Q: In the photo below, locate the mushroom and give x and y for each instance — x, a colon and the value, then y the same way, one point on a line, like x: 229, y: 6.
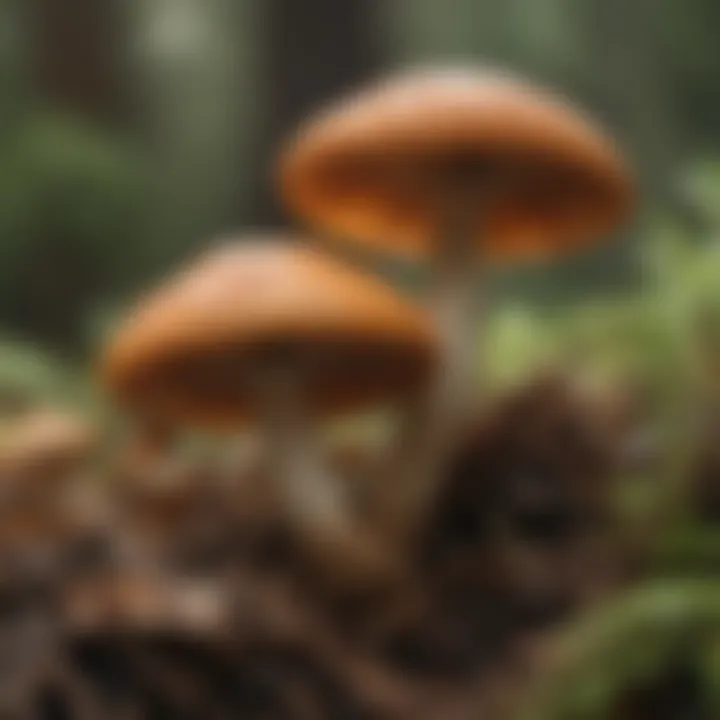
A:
x: 48, y: 512
x: 464, y: 166
x: 42, y: 450
x: 46, y: 440
x: 280, y: 334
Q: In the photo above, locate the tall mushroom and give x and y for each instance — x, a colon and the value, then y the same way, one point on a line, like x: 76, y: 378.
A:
x: 272, y: 332
x: 464, y: 166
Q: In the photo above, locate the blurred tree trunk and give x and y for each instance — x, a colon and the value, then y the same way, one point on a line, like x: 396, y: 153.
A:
x: 75, y: 56
x: 194, y: 66
x: 308, y: 52
x: 75, y: 65
x: 630, y: 75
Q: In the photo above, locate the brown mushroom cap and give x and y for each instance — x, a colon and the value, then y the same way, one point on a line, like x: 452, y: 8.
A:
x: 191, y: 350
x: 375, y: 167
x: 45, y: 438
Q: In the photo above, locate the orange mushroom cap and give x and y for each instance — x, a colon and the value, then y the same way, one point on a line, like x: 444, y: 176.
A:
x: 376, y: 166
x: 190, y: 350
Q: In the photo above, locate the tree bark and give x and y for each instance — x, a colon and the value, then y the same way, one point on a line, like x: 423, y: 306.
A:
x: 76, y: 58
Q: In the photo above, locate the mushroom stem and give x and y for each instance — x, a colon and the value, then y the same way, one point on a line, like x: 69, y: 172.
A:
x: 313, y: 500
x: 452, y: 305
x: 432, y: 422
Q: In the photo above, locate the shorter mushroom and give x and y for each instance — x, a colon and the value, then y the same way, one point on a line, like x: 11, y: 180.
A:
x: 280, y: 334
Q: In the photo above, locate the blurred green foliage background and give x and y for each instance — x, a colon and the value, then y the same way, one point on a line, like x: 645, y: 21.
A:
x: 134, y: 132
